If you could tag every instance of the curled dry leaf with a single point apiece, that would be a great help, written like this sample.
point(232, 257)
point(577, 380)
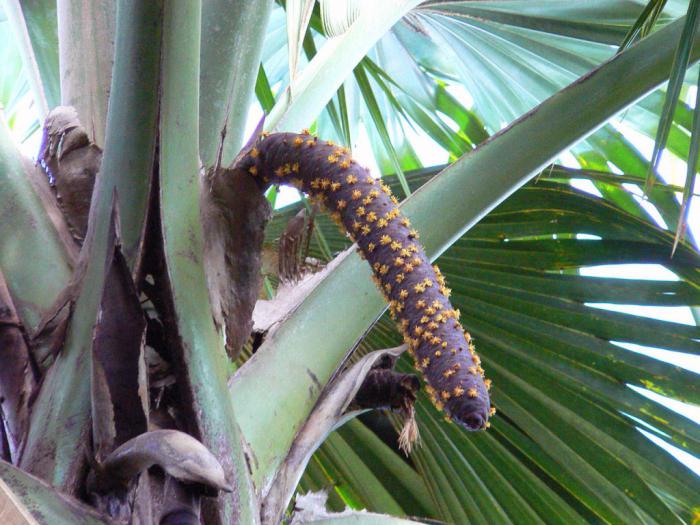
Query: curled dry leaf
point(17, 380)
point(178, 454)
point(71, 162)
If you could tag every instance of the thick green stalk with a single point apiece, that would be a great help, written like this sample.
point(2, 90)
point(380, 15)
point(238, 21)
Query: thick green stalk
point(86, 51)
point(205, 365)
point(61, 414)
point(33, 258)
point(230, 59)
point(442, 211)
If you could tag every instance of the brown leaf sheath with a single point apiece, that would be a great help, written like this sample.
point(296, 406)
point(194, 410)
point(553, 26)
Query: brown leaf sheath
point(415, 290)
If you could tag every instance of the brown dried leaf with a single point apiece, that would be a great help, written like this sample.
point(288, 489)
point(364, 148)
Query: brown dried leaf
point(17, 380)
point(234, 213)
point(119, 397)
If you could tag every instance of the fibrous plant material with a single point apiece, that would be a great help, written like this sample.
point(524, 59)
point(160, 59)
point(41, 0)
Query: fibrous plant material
point(415, 290)
point(289, 263)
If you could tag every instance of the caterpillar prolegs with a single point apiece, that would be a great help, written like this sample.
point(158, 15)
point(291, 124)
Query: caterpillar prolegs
point(419, 300)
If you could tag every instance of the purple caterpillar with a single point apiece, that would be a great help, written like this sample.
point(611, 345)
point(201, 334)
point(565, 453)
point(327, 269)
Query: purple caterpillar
point(415, 290)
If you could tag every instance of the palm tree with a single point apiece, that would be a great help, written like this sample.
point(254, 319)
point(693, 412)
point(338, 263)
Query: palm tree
point(117, 400)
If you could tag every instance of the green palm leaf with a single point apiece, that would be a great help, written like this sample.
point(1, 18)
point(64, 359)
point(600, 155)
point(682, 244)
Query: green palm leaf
point(562, 387)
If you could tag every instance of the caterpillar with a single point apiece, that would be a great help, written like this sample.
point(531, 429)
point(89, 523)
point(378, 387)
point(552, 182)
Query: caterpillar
point(415, 290)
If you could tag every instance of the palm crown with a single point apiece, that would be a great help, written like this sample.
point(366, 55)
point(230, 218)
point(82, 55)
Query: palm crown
point(549, 120)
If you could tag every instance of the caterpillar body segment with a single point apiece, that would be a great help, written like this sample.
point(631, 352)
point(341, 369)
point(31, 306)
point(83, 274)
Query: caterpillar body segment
point(418, 297)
